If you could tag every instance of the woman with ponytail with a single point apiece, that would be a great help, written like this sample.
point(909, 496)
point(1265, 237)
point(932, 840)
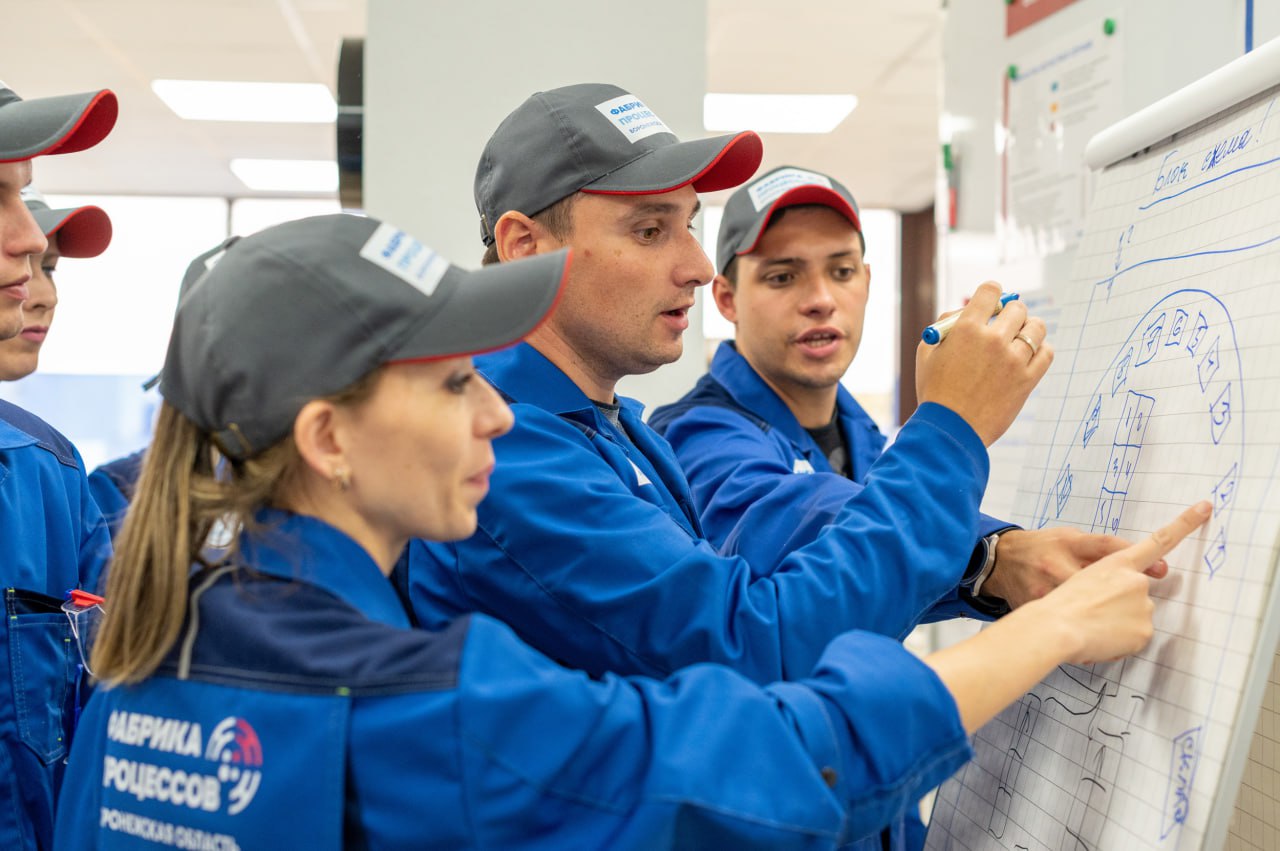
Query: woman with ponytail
point(269, 693)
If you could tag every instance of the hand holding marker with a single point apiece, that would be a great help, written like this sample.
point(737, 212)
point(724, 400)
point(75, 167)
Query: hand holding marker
point(937, 332)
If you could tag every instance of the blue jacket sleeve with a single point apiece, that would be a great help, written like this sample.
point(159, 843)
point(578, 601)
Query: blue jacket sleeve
point(755, 505)
point(110, 500)
point(592, 575)
point(642, 763)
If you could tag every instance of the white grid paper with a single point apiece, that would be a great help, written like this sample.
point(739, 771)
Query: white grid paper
point(1165, 390)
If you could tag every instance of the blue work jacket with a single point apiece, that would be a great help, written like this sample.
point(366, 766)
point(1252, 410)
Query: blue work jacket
point(297, 688)
point(763, 487)
point(112, 486)
point(54, 540)
point(590, 548)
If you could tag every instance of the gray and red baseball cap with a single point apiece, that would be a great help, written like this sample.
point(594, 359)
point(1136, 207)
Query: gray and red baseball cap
point(195, 273)
point(305, 309)
point(749, 210)
point(62, 124)
point(81, 231)
point(598, 138)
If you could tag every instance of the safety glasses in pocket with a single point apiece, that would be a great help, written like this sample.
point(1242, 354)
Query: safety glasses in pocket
point(84, 611)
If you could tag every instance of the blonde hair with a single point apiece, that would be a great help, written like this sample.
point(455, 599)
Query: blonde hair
point(180, 496)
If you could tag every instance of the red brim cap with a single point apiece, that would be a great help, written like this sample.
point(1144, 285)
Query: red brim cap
point(54, 125)
point(493, 307)
point(793, 198)
point(722, 162)
point(81, 231)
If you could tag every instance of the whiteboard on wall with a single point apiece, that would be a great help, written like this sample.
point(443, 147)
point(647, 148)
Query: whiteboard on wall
point(1165, 390)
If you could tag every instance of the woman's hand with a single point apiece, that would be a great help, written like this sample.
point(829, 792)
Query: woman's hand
point(1107, 605)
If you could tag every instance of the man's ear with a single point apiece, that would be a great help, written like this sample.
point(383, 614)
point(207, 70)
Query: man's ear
point(317, 432)
point(725, 294)
point(516, 235)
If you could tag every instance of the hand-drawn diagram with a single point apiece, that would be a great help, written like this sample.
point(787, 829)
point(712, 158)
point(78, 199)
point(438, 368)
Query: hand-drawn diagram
point(1168, 392)
point(1101, 741)
point(1028, 715)
point(1206, 351)
point(1124, 462)
point(1165, 383)
point(1182, 771)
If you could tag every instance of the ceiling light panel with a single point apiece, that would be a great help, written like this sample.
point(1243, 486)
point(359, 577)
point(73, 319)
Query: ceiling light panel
point(212, 100)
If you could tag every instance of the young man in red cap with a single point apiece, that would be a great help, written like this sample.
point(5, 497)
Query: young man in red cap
point(53, 534)
point(775, 448)
point(772, 444)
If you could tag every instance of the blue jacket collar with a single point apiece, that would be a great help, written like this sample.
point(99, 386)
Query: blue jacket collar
point(750, 390)
point(526, 375)
point(306, 549)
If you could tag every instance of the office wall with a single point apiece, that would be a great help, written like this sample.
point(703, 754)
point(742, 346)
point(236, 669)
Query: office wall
point(1166, 45)
point(440, 77)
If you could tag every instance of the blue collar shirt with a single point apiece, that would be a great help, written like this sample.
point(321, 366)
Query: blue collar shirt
point(588, 546)
point(763, 488)
point(354, 732)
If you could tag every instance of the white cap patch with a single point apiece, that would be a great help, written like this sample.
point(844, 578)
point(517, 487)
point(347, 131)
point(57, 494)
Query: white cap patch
point(766, 191)
point(405, 257)
point(633, 119)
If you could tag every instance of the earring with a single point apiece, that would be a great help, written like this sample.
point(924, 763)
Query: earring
point(342, 477)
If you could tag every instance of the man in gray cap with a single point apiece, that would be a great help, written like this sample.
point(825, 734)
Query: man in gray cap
point(772, 444)
point(589, 544)
point(53, 534)
point(583, 482)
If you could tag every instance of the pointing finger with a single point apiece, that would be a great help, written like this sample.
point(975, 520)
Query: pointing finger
point(1164, 539)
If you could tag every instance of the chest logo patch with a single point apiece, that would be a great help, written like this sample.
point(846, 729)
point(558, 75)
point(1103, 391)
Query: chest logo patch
point(641, 478)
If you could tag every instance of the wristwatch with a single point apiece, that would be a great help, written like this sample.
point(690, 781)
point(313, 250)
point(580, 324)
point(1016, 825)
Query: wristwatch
point(989, 543)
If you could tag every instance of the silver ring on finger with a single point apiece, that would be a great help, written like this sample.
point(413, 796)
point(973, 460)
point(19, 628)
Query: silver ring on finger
point(1031, 344)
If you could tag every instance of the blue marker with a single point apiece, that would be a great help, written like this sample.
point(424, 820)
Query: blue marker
point(937, 332)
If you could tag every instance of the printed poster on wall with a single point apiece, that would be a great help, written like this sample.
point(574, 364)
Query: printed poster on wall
point(1055, 99)
point(1023, 13)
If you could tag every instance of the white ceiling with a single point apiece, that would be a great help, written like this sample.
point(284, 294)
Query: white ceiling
point(887, 52)
point(125, 44)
